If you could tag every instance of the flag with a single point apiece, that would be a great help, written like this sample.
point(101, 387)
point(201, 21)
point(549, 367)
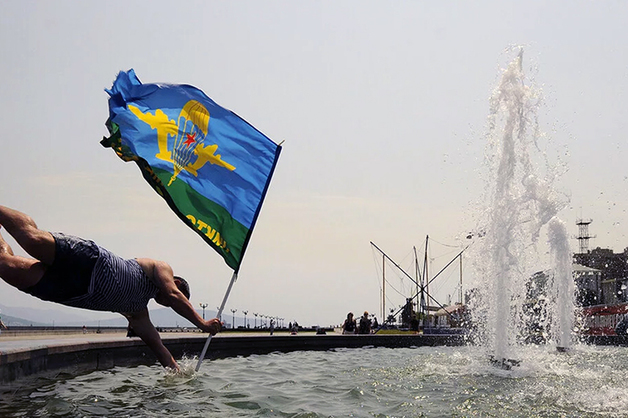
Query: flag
point(212, 167)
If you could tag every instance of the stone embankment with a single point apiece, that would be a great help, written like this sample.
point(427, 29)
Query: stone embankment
point(37, 354)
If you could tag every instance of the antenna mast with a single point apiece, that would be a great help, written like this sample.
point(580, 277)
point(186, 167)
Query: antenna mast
point(583, 234)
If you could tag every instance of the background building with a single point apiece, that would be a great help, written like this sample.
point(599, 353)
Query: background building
point(613, 281)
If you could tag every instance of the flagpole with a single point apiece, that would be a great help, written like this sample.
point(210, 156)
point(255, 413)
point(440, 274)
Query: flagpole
point(219, 315)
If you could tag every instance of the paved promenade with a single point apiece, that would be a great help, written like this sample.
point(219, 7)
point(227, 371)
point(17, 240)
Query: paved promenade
point(33, 342)
point(10, 344)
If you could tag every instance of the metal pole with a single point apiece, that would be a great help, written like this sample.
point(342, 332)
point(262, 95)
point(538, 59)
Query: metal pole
point(460, 291)
point(427, 278)
point(203, 305)
point(234, 277)
point(393, 262)
point(233, 311)
point(418, 277)
point(383, 287)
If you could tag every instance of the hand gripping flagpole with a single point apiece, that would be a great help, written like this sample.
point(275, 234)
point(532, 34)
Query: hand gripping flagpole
point(222, 307)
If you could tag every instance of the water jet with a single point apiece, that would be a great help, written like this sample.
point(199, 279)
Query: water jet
point(521, 202)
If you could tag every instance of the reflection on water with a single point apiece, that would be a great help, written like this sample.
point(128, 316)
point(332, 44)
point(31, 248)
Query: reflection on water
point(375, 382)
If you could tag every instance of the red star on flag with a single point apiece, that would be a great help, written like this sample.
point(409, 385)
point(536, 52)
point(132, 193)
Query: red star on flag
point(190, 140)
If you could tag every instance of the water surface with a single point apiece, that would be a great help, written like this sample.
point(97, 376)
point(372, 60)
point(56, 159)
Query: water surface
point(367, 382)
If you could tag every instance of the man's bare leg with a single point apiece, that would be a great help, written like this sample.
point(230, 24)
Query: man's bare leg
point(19, 271)
point(4, 247)
point(39, 244)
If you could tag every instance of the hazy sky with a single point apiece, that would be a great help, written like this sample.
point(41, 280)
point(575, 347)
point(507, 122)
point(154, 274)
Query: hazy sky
point(382, 107)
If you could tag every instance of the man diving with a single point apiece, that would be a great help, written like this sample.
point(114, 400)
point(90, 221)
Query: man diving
point(76, 272)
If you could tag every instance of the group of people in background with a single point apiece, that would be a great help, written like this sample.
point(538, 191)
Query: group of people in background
point(365, 326)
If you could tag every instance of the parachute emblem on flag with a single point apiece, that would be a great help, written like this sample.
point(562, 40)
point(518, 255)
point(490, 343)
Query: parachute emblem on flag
point(189, 138)
point(210, 166)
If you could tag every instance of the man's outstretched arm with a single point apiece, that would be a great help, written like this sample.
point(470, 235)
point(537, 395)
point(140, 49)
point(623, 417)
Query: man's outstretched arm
point(170, 295)
point(144, 328)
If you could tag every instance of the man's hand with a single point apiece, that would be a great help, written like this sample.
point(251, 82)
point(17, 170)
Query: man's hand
point(212, 326)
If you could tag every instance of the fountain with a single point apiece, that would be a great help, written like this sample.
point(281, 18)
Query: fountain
point(517, 288)
point(521, 203)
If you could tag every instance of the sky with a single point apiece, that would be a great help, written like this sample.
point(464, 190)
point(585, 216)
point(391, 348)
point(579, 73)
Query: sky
point(383, 108)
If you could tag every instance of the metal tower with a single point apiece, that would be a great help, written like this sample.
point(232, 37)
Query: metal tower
point(583, 234)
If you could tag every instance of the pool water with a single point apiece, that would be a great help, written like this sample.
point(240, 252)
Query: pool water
point(587, 381)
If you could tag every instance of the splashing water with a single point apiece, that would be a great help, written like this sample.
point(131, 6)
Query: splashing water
point(520, 204)
point(426, 382)
point(563, 281)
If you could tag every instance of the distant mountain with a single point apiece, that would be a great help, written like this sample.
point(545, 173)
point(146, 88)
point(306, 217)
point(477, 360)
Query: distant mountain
point(60, 315)
point(161, 317)
point(12, 321)
point(164, 317)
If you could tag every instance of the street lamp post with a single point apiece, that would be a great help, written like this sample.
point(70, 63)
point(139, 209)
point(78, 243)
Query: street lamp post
point(203, 306)
point(233, 311)
point(246, 325)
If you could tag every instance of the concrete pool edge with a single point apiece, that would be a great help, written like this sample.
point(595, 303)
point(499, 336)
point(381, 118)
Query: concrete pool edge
point(51, 359)
point(22, 364)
